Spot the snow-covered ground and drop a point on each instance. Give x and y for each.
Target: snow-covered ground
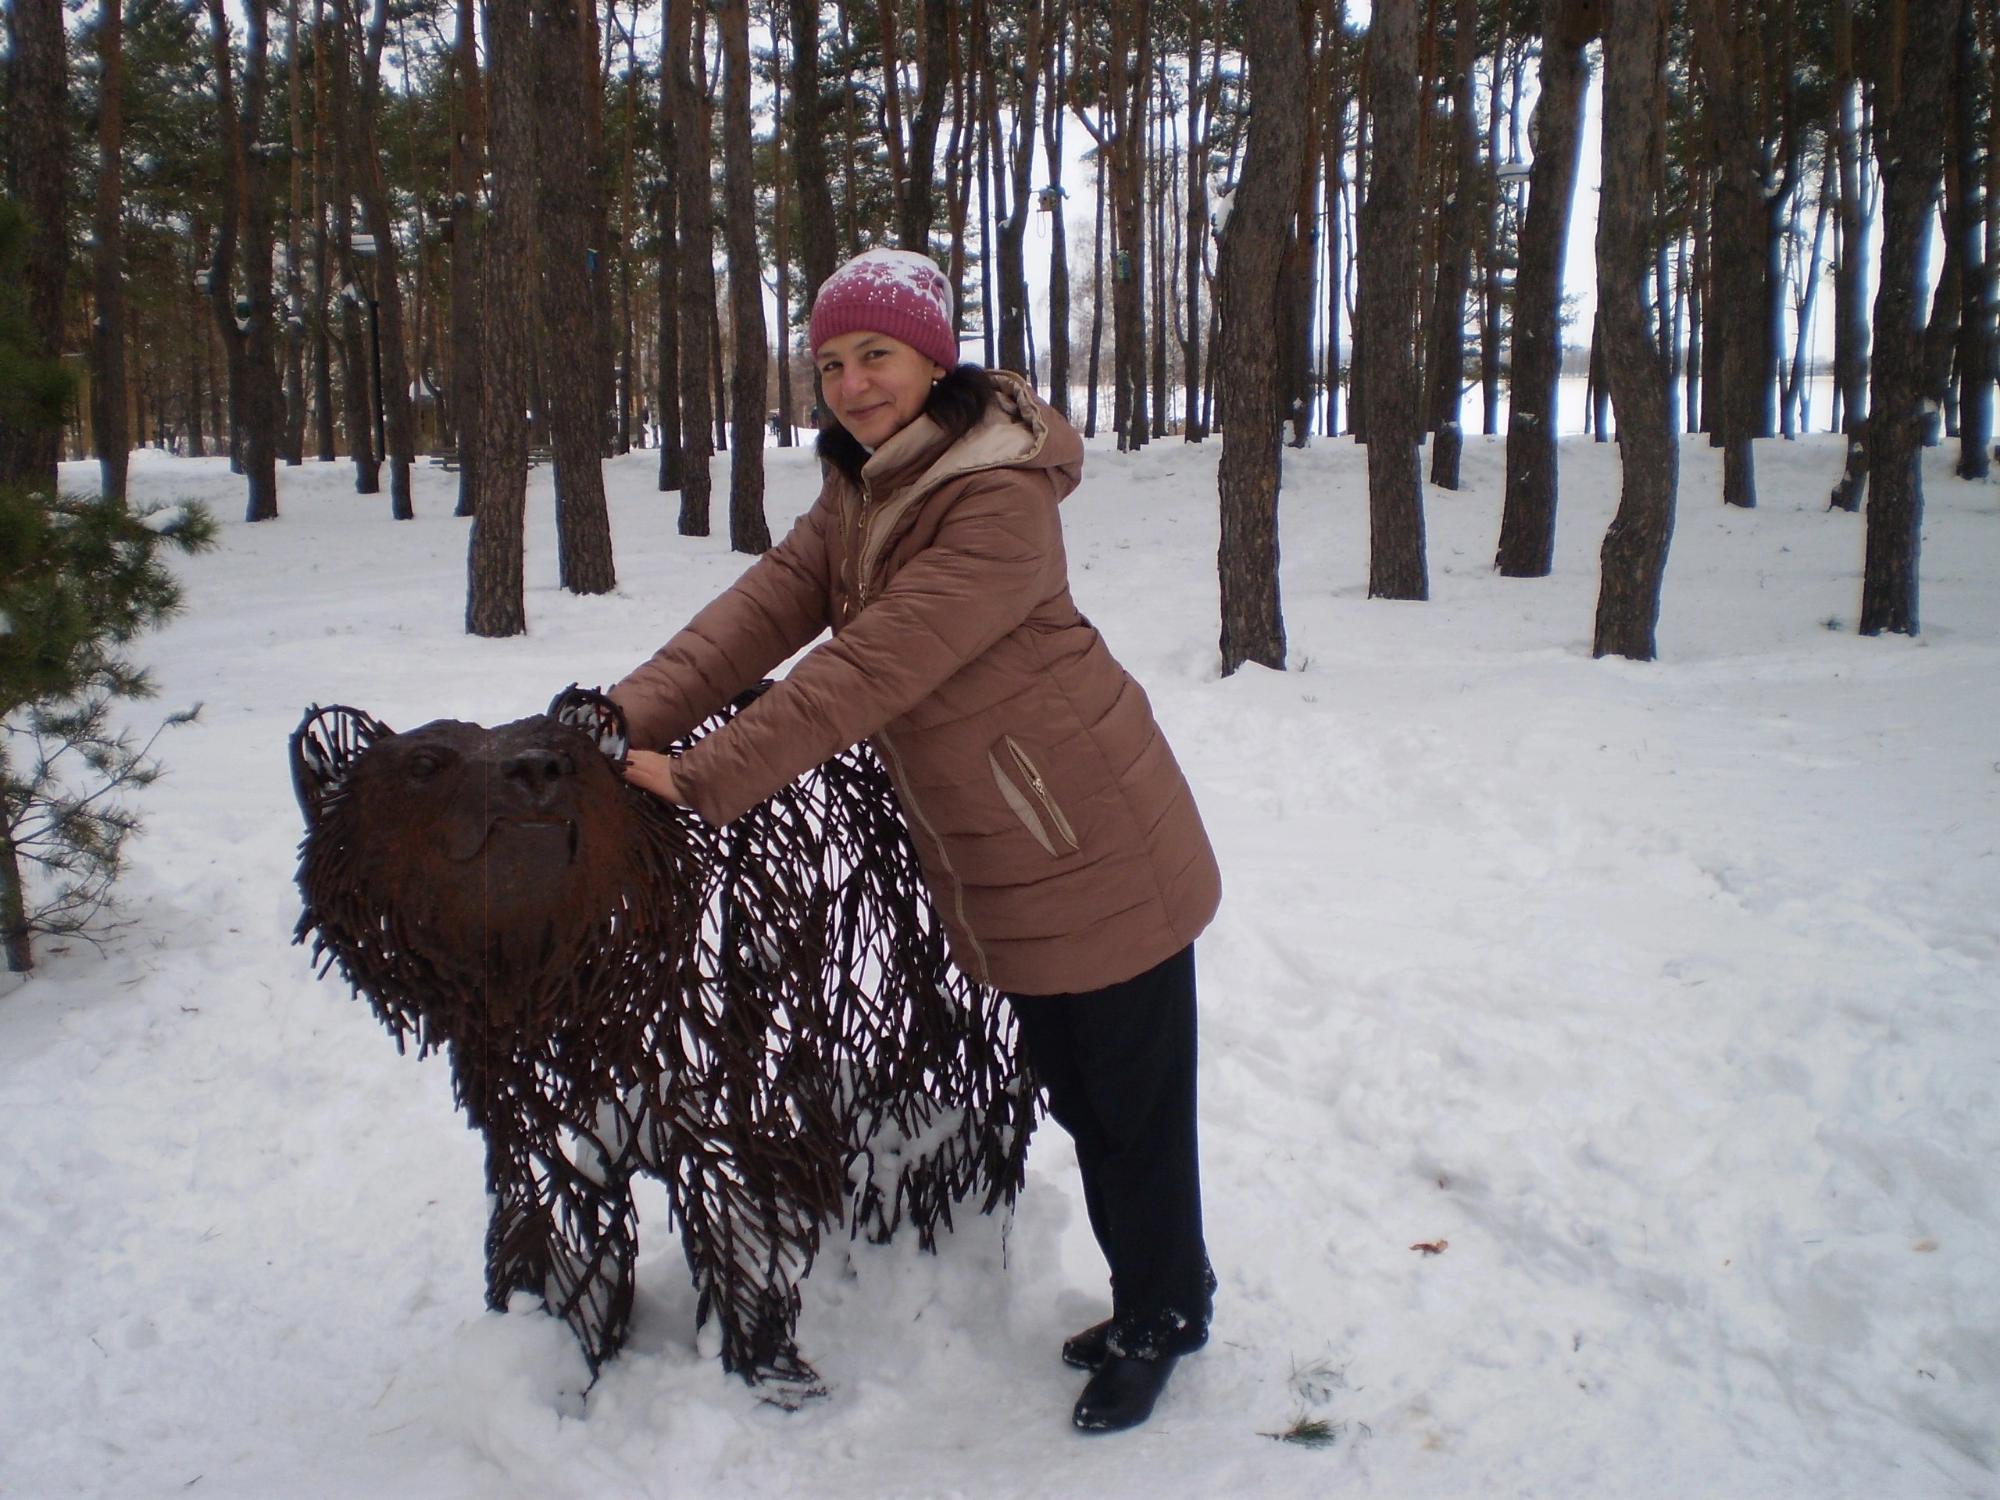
(1665, 997)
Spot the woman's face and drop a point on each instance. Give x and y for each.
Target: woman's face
(874, 385)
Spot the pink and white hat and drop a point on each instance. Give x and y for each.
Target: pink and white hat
(896, 292)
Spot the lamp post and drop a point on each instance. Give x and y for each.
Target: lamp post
(364, 246)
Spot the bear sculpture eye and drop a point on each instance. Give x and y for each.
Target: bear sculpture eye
(425, 764)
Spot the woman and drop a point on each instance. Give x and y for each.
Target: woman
(1059, 840)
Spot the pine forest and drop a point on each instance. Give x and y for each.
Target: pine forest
(387, 233)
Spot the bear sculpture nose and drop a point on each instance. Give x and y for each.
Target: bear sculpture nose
(535, 770)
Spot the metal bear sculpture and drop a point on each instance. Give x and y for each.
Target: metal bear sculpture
(762, 1016)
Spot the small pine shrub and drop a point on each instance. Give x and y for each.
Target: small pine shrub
(81, 579)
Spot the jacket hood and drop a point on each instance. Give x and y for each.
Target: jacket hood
(1019, 431)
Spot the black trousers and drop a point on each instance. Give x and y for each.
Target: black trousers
(1119, 1067)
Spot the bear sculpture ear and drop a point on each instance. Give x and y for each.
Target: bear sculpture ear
(588, 710)
(324, 748)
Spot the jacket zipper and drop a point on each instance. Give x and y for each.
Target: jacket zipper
(957, 886)
(1042, 793)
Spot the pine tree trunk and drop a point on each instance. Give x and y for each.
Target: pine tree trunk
(600, 250)
(1459, 217)
(1396, 566)
(818, 240)
(295, 326)
(788, 417)
(748, 530)
(1850, 284)
(196, 317)
(386, 280)
(697, 275)
(1692, 389)
(1909, 128)
(1597, 402)
(355, 361)
(1528, 514)
(38, 161)
(14, 934)
(1634, 554)
(1489, 244)
(107, 385)
(468, 156)
(1131, 74)
(917, 206)
(1977, 290)
(499, 439)
(666, 210)
(566, 211)
(984, 169)
(1201, 95)
(1021, 162)
(627, 237)
(1156, 198)
(322, 341)
(1059, 306)
(1940, 334)
(1723, 43)
(1333, 145)
(1253, 247)
(246, 319)
(1095, 367)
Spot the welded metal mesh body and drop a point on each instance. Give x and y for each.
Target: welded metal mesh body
(762, 1016)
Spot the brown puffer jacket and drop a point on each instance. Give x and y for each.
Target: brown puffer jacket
(1055, 829)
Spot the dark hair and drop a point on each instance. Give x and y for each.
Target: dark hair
(956, 403)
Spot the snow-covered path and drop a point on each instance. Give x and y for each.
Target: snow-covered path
(1665, 998)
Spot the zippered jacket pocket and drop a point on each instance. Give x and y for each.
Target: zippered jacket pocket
(1026, 791)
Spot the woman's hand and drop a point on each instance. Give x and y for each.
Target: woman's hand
(653, 772)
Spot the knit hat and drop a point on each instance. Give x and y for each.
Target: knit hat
(895, 292)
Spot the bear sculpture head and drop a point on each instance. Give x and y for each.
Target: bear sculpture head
(482, 886)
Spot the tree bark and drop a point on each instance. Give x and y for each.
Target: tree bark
(1460, 215)
(697, 273)
(107, 332)
(37, 170)
(1202, 95)
(295, 321)
(1396, 566)
(1725, 51)
(1528, 513)
(1120, 132)
(1977, 290)
(1333, 146)
(1909, 130)
(246, 318)
(566, 209)
(1253, 247)
(1059, 343)
(1634, 555)
(386, 285)
(317, 324)
(748, 530)
(918, 201)
(788, 417)
(666, 211)
(468, 156)
(1095, 366)
(358, 410)
(1041, 29)
(499, 438)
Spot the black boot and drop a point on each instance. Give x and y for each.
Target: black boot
(1087, 1350)
(1121, 1394)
